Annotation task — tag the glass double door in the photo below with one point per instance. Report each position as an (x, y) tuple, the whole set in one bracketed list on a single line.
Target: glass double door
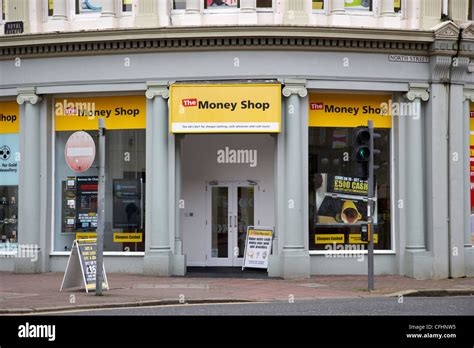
[(231, 211)]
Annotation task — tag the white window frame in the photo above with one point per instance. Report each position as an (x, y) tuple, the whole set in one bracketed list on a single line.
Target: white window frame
[(127, 13), (53, 252), (74, 15), (445, 8), (1, 10), (177, 11), (393, 248)]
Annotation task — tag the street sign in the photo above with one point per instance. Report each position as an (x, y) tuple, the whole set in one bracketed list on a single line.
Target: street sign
[(81, 267), (258, 246), (80, 151), (16, 27)]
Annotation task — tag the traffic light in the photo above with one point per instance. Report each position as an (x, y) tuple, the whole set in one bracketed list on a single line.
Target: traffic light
[(361, 145)]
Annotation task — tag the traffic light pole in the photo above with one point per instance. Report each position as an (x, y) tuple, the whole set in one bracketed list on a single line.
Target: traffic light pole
[(370, 209), (101, 216)]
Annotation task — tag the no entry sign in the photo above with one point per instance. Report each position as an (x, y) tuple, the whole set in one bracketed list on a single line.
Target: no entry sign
[(80, 151)]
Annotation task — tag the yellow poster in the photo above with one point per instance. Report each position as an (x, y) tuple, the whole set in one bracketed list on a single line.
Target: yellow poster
[(9, 117), (329, 238), (225, 108), (119, 112), (349, 110), (121, 237), (86, 235), (354, 238)]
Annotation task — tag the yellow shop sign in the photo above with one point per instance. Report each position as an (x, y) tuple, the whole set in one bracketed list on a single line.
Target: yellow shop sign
[(349, 110), (328, 238), (119, 112), (225, 108), (9, 117), (86, 235), (121, 237)]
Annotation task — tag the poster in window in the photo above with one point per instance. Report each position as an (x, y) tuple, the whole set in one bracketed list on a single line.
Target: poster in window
[(127, 203), (221, 3), (340, 199), (86, 203)]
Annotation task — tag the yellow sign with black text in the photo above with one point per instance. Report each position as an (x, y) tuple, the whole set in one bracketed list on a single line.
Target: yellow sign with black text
[(354, 238), (9, 117), (349, 110), (121, 237), (225, 108), (119, 112), (86, 235), (329, 238)]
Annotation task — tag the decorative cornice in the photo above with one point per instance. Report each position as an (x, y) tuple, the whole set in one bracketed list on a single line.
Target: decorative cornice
[(157, 89), (205, 38), (295, 86), (447, 30), (468, 31), (27, 95), (418, 91), (469, 93)]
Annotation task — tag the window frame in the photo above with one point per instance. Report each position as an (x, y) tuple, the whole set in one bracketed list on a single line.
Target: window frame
[(2, 3), (220, 10), (369, 12), (52, 251), (393, 221), (324, 10)]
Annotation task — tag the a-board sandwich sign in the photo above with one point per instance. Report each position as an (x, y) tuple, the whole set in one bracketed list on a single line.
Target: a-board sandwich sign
[(82, 266), (258, 246)]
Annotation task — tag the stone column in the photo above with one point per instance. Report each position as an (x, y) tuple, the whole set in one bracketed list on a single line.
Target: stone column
[(418, 262), (296, 262), (29, 217), (296, 12), (60, 10), (387, 8), (337, 7), (108, 8), (193, 6), (147, 13), (157, 259), (414, 161), (469, 98), (179, 260), (468, 249), (248, 5)]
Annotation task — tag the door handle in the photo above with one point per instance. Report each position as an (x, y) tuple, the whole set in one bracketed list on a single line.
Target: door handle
[(235, 221), (230, 223)]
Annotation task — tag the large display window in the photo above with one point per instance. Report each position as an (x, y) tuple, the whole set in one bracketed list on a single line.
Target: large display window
[(76, 191), (9, 175), (337, 197)]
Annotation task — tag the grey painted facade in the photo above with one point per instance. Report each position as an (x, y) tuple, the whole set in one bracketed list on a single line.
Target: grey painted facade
[(430, 156)]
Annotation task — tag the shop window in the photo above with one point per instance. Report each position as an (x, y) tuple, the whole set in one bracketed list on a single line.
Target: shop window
[(358, 5), (76, 192), (318, 4), (179, 4), (9, 175), (212, 4), (88, 6), (126, 5), (337, 198)]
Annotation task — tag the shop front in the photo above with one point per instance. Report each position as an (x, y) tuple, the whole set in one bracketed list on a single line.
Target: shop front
[(9, 176)]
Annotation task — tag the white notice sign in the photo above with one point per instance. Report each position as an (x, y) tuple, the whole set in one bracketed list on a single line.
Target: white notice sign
[(258, 246)]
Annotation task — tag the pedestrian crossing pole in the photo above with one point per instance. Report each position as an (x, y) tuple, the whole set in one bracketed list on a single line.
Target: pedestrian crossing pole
[(371, 207)]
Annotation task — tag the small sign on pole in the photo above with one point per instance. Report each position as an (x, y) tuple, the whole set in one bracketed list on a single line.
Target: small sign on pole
[(258, 246), (81, 267)]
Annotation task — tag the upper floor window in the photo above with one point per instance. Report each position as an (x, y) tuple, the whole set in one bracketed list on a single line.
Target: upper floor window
[(212, 4), (88, 6), (398, 6), (471, 8), (3, 9), (179, 4), (50, 7), (359, 5), (318, 4), (126, 5)]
